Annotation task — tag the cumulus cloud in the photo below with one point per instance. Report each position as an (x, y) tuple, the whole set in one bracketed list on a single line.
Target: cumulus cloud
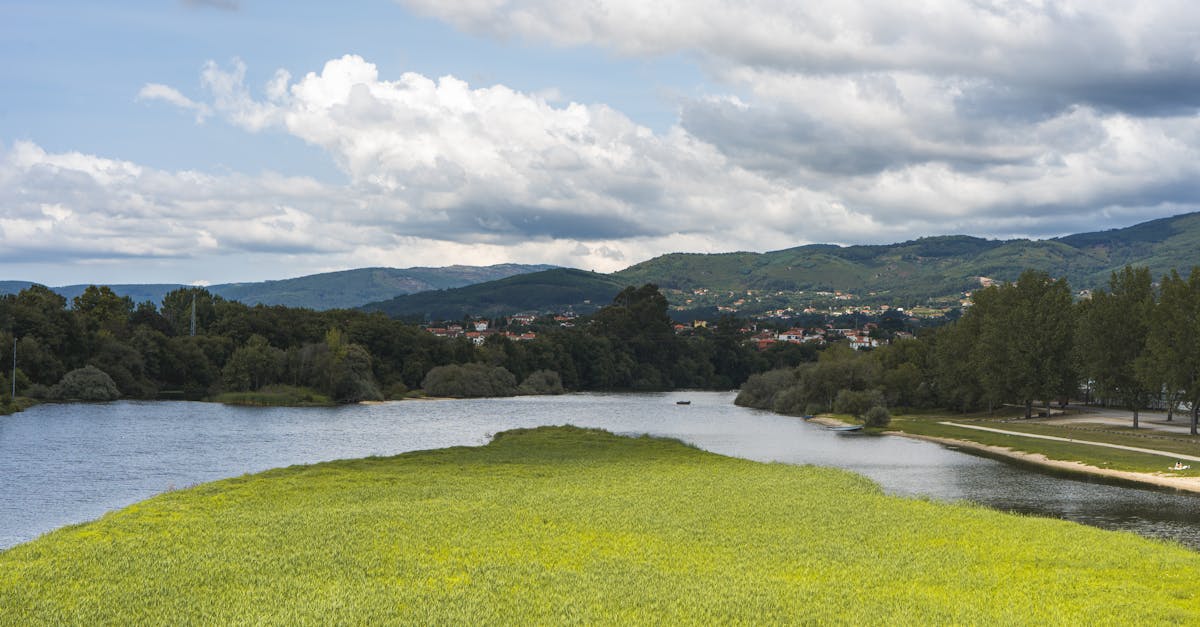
[(438, 158)]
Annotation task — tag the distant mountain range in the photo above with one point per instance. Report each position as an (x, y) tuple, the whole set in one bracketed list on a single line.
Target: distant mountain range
[(930, 270), (330, 290), (931, 267)]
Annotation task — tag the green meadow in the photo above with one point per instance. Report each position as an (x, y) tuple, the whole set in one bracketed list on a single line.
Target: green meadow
[(564, 525)]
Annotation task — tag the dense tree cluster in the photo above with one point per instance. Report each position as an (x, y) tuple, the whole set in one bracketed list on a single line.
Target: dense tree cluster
[(151, 351), (1019, 343)]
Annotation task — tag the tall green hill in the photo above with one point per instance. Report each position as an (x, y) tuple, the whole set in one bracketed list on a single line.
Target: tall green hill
[(548, 291)]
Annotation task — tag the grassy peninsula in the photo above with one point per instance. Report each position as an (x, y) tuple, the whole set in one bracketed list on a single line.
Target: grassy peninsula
[(565, 525)]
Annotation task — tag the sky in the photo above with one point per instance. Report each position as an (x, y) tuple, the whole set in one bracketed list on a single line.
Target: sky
[(211, 141)]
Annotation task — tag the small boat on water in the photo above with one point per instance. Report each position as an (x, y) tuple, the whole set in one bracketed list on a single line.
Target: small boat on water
[(683, 402), (847, 428)]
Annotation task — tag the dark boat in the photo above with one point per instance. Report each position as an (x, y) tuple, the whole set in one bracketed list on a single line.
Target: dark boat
[(683, 402)]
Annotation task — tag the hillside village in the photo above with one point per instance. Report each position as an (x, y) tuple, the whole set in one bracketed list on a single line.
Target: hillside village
[(519, 328)]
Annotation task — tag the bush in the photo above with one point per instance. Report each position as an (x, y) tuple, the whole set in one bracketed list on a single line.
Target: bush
[(760, 390), (541, 382), (469, 381), (396, 391), (857, 403), (88, 383), (877, 416), (37, 391), (790, 401)]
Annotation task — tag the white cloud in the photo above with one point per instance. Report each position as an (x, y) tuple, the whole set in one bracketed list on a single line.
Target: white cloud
[(156, 91)]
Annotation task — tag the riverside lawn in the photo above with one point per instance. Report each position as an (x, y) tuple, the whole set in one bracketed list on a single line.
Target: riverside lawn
[(565, 525)]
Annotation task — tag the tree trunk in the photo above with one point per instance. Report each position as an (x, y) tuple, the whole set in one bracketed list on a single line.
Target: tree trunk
[(1195, 415), (1028, 409), (1135, 417)]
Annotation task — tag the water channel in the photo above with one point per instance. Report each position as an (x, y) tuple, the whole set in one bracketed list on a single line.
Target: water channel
[(65, 464)]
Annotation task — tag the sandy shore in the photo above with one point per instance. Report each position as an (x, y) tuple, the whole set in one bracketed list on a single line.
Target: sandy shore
[(1188, 484), (828, 422)]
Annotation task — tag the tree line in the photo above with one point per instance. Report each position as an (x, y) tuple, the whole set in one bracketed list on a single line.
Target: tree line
[(1132, 345), (149, 350)]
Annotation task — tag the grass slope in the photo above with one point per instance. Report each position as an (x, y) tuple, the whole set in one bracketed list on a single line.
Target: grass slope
[(563, 525)]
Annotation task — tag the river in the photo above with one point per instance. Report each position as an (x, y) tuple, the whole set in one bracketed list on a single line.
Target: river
[(65, 464)]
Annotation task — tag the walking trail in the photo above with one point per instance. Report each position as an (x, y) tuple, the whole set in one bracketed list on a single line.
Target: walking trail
[(1073, 441)]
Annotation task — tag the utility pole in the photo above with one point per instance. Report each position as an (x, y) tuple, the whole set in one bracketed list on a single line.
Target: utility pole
[(193, 314)]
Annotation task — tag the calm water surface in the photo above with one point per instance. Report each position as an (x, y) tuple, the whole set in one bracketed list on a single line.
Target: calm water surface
[(64, 464)]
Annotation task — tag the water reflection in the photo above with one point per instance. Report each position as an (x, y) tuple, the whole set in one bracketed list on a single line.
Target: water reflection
[(61, 464)]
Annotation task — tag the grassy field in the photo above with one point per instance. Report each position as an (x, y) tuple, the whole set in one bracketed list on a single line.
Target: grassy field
[(1101, 457), (563, 525)]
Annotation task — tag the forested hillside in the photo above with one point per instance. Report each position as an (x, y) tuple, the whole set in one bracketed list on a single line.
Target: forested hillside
[(330, 290), (554, 290), (930, 267)]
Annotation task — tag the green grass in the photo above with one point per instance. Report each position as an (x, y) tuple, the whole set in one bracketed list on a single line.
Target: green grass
[(1100, 457), (563, 525), (276, 396), (11, 407), (1124, 435)]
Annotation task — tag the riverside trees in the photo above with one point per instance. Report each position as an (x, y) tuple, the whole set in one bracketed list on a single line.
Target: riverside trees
[(348, 356), (1023, 342), (1111, 339), (1172, 360)]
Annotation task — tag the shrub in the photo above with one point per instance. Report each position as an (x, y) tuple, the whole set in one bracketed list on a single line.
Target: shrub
[(469, 381), (791, 401), (396, 391), (877, 416), (541, 382), (857, 403), (88, 383), (760, 390)]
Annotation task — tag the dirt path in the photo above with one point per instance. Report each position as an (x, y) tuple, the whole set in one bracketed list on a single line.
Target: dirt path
[(1188, 484), (1074, 441)]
